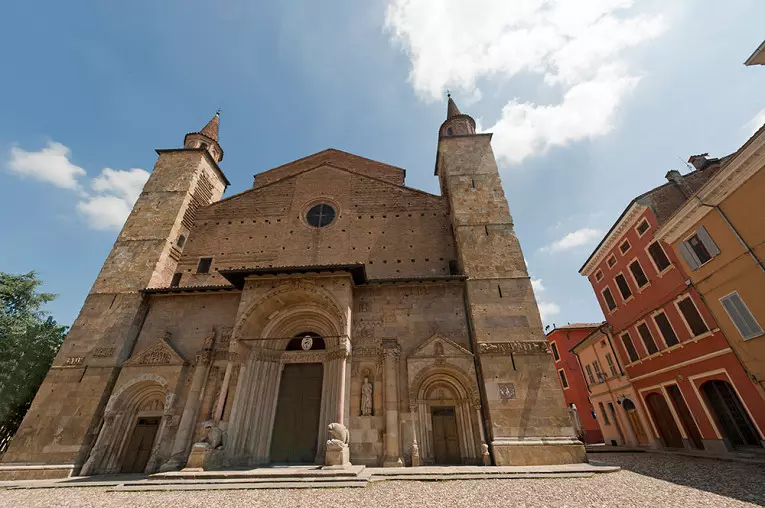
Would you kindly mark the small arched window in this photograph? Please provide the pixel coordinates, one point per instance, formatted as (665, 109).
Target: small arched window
(449, 131)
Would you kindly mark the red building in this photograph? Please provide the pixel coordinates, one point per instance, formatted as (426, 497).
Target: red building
(561, 340)
(664, 335)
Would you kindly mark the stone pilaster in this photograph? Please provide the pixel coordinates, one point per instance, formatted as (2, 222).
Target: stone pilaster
(392, 355)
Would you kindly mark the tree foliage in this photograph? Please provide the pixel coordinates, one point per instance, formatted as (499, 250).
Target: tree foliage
(29, 340)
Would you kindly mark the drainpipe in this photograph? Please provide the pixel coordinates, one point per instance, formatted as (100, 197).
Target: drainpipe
(735, 232)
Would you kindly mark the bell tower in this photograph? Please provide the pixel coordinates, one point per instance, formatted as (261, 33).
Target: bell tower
(63, 421)
(527, 421)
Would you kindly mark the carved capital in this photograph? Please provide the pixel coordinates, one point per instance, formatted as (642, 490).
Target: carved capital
(391, 349)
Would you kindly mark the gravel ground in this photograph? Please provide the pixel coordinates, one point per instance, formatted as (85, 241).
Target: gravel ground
(648, 479)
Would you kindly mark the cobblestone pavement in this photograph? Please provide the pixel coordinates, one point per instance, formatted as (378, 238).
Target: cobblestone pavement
(648, 479)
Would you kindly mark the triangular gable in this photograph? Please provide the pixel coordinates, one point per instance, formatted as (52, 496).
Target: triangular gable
(438, 346)
(338, 158)
(394, 188)
(161, 352)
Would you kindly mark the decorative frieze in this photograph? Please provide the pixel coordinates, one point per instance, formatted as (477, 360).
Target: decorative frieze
(515, 347)
(104, 352)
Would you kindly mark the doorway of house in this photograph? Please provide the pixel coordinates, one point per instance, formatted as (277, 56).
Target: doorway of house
(296, 425)
(665, 422)
(445, 440)
(634, 420)
(685, 416)
(140, 445)
(734, 422)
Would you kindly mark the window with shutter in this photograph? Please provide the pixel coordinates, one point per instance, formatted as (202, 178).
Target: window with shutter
(645, 334)
(692, 317)
(603, 412)
(611, 364)
(589, 374)
(739, 313)
(624, 288)
(630, 347)
(664, 326)
(698, 249)
(658, 256)
(637, 272)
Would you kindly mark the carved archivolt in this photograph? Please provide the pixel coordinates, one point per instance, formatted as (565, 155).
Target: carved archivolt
(258, 319)
(131, 384)
(461, 379)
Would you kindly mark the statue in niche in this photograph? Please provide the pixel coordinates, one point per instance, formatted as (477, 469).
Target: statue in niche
(366, 397)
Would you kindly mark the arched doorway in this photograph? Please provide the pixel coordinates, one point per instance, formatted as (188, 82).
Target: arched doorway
(730, 415)
(446, 417)
(296, 424)
(664, 421)
(634, 420)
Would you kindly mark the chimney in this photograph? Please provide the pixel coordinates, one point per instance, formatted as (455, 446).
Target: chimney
(674, 176)
(699, 161)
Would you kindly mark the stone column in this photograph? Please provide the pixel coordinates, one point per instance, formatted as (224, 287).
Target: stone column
(485, 457)
(345, 346)
(415, 448)
(392, 353)
(182, 443)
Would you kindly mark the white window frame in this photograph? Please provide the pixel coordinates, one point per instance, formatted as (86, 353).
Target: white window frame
(656, 324)
(567, 385)
(648, 281)
(677, 301)
(611, 266)
(599, 272)
(650, 257)
(626, 351)
(629, 246)
(640, 235)
(653, 337)
(554, 350)
(689, 255)
(626, 281)
(736, 294)
(603, 295)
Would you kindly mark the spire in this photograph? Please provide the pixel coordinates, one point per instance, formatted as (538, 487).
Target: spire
(211, 129)
(207, 138)
(451, 108)
(456, 123)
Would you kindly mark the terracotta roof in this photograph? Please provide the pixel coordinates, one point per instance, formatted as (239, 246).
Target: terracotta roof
(572, 326)
(237, 276)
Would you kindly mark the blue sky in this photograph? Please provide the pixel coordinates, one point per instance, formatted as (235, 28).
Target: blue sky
(591, 103)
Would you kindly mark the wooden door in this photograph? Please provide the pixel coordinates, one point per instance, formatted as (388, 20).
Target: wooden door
(446, 446)
(296, 426)
(685, 416)
(637, 427)
(139, 448)
(665, 422)
(730, 415)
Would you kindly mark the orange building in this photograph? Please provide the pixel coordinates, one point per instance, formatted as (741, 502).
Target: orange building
(667, 340)
(719, 234)
(621, 419)
(570, 375)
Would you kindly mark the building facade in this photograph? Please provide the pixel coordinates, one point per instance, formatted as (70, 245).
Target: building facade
(575, 390)
(719, 236)
(678, 360)
(621, 417)
(329, 292)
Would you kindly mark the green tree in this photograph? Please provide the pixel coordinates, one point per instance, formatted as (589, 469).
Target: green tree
(29, 340)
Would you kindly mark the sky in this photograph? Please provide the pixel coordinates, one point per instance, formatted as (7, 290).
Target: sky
(590, 102)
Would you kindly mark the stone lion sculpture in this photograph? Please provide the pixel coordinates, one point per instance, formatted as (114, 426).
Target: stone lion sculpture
(212, 435)
(338, 436)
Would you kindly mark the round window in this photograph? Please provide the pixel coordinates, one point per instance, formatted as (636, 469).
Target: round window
(320, 215)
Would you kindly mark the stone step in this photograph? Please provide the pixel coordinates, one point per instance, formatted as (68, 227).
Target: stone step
(478, 476)
(264, 473)
(152, 486)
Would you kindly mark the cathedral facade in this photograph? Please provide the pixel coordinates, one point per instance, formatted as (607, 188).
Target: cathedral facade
(327, 293)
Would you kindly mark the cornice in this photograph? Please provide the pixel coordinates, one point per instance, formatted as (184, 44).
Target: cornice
(744, 165)
(627, 220)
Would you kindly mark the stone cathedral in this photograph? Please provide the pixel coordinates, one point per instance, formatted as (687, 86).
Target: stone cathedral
(330, 305)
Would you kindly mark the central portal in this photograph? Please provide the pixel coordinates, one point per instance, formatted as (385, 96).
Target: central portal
(296, 426)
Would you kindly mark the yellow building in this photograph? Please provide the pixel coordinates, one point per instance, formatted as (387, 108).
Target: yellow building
(719, 235)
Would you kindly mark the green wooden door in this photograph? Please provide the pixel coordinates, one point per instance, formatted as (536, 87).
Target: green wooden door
(296, 426)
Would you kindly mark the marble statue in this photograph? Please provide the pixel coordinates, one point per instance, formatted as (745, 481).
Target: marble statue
(366, 397)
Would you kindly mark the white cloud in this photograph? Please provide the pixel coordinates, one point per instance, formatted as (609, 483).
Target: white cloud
(112, 193)
(117, 193)
(756, 122)
(537, 285)
(51, 165)
(574, 239)
(548, 310)
(576, 47)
